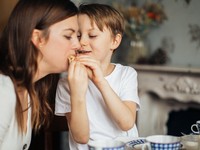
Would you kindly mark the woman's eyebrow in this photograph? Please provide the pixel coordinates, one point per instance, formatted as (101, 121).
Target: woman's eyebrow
(69, 29)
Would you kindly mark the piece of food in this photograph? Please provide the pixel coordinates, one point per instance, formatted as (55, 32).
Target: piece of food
(71, 58)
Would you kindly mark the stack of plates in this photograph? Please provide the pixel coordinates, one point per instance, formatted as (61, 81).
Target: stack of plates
(132, 143)
(135, 144)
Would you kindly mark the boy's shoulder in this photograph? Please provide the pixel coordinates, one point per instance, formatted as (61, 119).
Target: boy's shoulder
(124, 68)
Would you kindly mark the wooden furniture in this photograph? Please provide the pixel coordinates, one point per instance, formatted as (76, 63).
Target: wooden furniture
(47, 139)
(58, 124)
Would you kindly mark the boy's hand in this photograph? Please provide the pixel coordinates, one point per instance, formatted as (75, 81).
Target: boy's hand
(94, 69)
(77, 78)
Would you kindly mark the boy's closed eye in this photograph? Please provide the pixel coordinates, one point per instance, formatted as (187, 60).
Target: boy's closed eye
(92, 36)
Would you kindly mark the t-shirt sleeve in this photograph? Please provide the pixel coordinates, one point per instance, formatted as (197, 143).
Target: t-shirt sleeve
(62, 101)
(7, 105)
(129, 87)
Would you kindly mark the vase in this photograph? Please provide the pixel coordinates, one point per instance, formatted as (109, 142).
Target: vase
(137, 50)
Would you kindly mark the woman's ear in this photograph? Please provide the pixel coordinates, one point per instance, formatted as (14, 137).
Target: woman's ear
(37, 38)
(116, 41)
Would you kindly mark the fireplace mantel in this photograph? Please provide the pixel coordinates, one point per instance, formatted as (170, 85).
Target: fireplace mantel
(170, 82)
(175, 88)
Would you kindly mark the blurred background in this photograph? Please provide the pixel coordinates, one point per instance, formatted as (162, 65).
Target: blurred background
(162, 42)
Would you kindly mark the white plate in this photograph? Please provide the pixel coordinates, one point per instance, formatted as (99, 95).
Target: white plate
(125, 139)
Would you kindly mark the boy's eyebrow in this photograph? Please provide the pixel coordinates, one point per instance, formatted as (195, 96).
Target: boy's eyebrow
(92, 29)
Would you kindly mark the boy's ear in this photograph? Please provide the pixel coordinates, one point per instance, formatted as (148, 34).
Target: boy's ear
(37, 38)
(116, 41)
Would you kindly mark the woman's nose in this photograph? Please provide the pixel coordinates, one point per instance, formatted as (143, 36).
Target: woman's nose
(77, 45)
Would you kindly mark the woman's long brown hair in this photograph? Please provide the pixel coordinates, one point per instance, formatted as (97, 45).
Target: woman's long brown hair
(18, 55)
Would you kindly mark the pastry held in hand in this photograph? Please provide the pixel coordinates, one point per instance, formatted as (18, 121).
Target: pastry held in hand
(71, 58)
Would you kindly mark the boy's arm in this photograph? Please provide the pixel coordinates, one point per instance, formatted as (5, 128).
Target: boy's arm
(78, 122)
(78, 119)
(123, 112)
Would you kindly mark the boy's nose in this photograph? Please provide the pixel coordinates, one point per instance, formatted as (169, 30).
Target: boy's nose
(83, 42)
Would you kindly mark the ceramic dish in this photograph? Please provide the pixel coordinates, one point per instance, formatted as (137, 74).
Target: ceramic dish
(135, 144)
(106, 145)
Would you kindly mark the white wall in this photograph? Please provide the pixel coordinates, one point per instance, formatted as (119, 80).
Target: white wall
(180, 15)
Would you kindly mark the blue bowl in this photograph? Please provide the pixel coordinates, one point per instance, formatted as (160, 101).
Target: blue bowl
(164, 142)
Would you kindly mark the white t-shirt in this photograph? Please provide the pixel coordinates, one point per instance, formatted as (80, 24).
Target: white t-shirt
(10, 138)
(123, 81)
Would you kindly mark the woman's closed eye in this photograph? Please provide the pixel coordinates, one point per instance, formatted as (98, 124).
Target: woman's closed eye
(68, 37)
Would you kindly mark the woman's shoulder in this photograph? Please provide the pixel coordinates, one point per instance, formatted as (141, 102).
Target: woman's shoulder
(6, 81)
(6, 88)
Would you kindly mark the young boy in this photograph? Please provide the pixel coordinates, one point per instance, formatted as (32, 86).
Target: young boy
(98, 98)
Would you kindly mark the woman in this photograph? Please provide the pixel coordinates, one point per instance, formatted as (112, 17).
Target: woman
(36, 42)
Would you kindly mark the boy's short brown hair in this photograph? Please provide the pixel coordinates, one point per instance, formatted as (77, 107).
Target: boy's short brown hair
(104, 16)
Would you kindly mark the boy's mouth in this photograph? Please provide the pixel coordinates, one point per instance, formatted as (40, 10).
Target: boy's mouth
(82, 52)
